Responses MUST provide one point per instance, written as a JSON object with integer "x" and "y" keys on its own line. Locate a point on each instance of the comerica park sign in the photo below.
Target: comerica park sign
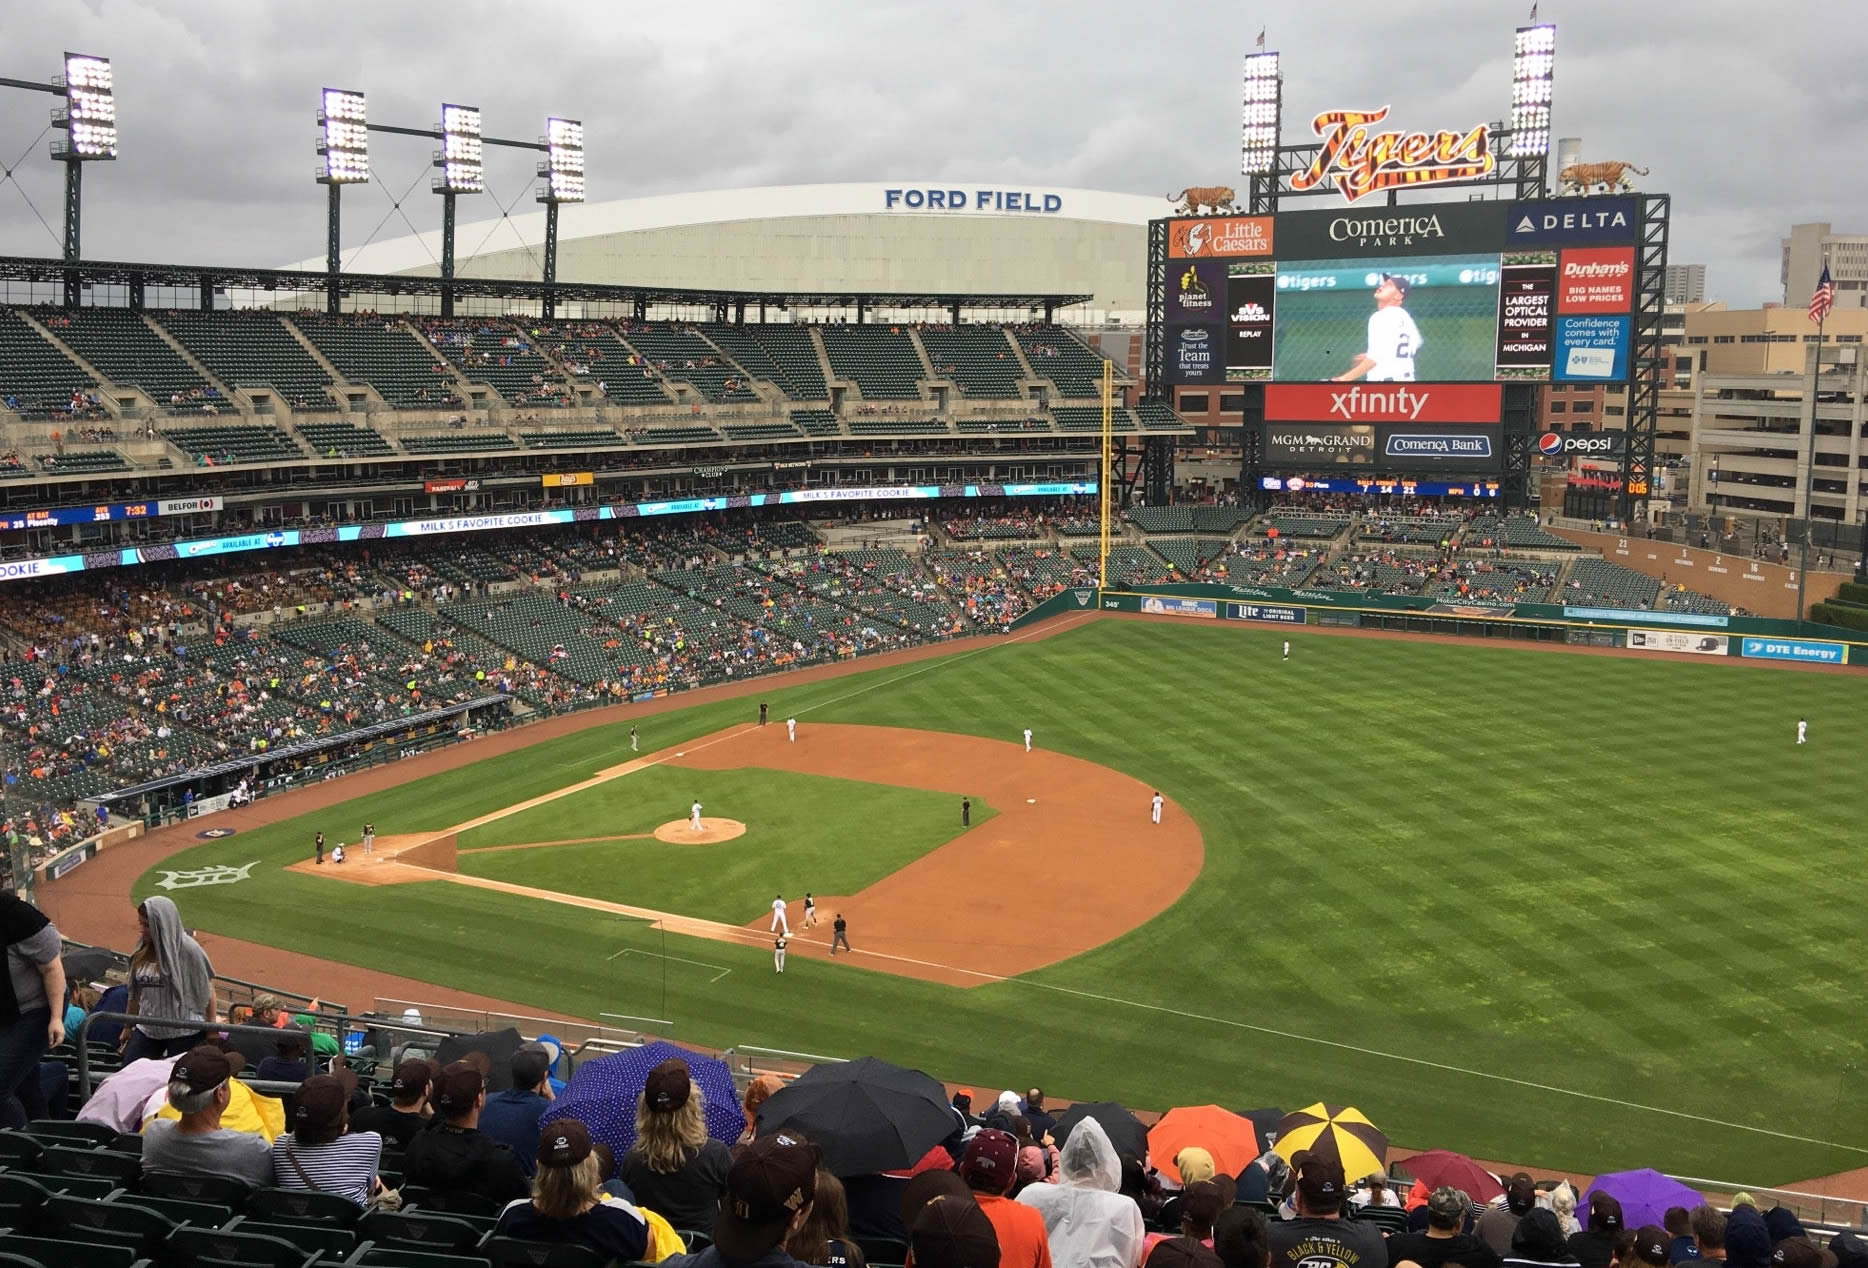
{"x": 1360, "y": 161}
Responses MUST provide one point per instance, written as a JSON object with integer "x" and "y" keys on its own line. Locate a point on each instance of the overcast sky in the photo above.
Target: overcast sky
{"x": 1754, "y": 116}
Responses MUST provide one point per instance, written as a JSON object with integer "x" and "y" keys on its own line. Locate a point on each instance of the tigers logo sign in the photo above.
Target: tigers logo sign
{"x": 1360, "y": 161}
{"x": 1220, "y": 237}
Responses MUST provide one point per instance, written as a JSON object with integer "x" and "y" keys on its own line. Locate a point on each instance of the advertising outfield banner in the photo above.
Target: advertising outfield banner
{"x": 1679, "y": 641}
{"x": 1277, "y": 612}
{"x": 1162, "y": 605}
{"x": 1438, "y": 292}
{"x": 1805, "y": 651}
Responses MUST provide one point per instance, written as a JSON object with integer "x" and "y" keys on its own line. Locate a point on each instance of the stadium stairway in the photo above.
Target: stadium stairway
{"x": 193, "y": 362}
{"x": 105, "y": 387}
{"x": 462, "y": 385}
{"x": 338, "y": 381}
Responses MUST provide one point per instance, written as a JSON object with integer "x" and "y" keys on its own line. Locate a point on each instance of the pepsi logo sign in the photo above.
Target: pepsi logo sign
{"x": 1550, "y": 444}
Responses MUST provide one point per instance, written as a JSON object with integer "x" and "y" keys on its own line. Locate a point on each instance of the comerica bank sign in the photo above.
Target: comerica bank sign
{"x": 959, "y": 199}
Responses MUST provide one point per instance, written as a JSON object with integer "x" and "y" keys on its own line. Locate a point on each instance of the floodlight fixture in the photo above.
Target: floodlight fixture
{"x": 1533, "y": 68}
{"x": 343, "y": 139}
{"x": 463, "y": 170}
{"x": 1261, "y": 113}
{"x": 563, "y": 166}
{"x": 89, "y": 116}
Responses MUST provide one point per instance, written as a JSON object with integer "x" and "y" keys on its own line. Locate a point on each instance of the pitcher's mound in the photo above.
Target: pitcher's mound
{"x": 713, "y": 831}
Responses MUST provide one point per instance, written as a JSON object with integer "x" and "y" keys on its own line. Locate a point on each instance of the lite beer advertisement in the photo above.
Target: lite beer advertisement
{"x": 1468, "y": 292}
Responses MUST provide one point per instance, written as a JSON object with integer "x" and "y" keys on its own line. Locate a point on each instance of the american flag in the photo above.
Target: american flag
{"x": 1824, "y": 299}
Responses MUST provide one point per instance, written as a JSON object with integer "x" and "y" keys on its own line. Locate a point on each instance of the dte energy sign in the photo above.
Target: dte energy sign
{"x": 956, "y": 199}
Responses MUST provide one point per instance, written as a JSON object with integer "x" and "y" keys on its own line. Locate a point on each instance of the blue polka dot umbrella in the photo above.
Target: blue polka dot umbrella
{"x": 602, "y": 1094}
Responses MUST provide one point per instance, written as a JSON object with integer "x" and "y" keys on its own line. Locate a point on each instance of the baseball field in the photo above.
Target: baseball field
{"x": 1579, "y": 911}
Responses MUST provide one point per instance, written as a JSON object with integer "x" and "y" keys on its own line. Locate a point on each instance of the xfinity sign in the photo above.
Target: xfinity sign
{"x": 1572, "y": 220}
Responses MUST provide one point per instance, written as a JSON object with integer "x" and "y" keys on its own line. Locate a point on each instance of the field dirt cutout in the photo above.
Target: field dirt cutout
{"x": 712, "y": 831}
{"x": 959, "y": 914}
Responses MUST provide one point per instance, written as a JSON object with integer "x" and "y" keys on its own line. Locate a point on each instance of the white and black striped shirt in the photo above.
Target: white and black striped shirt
{"x": 346, "y": 1166}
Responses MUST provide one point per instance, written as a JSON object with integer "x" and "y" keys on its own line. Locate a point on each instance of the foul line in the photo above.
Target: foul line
{"x": 699, "y": 964}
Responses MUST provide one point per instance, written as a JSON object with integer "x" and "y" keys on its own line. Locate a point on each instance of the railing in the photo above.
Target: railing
{"x": 1816, "y": 1211}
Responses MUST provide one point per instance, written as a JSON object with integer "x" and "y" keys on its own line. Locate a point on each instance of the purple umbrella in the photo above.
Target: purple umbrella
{"x": 602, "y": 1094}
{"x": 1645, "y": 1196}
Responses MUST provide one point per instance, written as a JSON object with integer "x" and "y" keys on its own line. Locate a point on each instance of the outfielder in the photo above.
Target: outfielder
{"x": 1287, "y": 649}
{"x": 1803, "y": 731}
{"x": 781, "y": 923}
{"x": 1028, "y": 739}
{"x": 791, "y": 729}
{"x": 1393, "y": 339}
{"x": 1154, "y": 808}
{"x": 633, "y": 741}
{"x": 694, "y": 816}
{"x": 778, "y": 953}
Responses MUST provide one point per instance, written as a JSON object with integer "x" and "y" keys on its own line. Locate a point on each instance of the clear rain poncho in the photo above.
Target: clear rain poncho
{"x": 1089, "y": 1223}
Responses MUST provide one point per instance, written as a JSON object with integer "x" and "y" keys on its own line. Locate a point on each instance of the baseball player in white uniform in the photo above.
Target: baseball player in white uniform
{"x": 778, "y": 953}
{"x": 791, "y": 729}
{"x": 780, "y": 922}
{"x": 1803, "y": 736}
{"x": 1028, "y": 739}
{"x": 1287, "y": 649}
{"x": 1393, "y": 340}
{"x": 1154, "y": 808}
{"x": 694, "y": 816}
{"x": 337, "y": 855}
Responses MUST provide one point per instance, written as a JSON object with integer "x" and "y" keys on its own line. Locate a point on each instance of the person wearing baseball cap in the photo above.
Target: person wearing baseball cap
{"x": 1594, "y": 1247}
{"x": 769, "y": 1191}
{"x": 1496, "y": 1226}
{"x": 989, "y": 1167}
{"x": 408, "y": 1111}
{"x": 952, "y": 1232}
{"x": 196, "y": 1144}
{"x": 1320, "y": 1237}
{"x": 454, "y": 1155}
{"x": 674, "y": 1167}
{"x": 567, "y": 1203}
{"x": 1651, "y": 1249}
{"x": 1445, "y": 1239}
{"x": 317, "y": 1154}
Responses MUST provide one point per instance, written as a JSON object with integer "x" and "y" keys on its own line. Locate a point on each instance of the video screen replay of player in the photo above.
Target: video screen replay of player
{"x": 1429, "y": 318}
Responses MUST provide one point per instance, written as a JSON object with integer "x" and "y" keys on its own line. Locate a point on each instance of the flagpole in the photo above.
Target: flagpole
{"x": 1809, "y": 473}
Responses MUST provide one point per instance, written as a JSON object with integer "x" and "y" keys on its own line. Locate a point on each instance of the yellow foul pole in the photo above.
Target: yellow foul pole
{"x": 1102, "y": 487}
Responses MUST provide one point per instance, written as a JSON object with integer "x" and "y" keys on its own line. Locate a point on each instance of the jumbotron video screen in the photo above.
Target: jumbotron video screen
{"x": 1469, "y": 292}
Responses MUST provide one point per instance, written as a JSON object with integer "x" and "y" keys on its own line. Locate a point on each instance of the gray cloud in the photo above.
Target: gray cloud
{"x": 1751, "y": 116}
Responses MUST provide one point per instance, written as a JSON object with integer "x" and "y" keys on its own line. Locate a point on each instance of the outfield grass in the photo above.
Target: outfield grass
{"x": 1506, "y": 901}
{"x": 803, "y": 832}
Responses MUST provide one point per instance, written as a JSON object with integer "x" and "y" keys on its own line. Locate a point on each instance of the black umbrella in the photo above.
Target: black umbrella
{"x": 1266, "y": 1120}
{"x": 498, "y": 1045}
{"x": 1125, "y": 1130}
{"x": 88, "y": 964}
{"x": 866, "y": 1115}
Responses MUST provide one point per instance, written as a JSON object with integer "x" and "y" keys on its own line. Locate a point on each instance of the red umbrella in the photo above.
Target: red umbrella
{"x": 1439, "y": 1167}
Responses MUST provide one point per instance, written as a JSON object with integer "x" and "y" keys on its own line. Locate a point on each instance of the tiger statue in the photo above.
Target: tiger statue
{"x": 1583, "y": 178}
{"x": 1214, "y": 198}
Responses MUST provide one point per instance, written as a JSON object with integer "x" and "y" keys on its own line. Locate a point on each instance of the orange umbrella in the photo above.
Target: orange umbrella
{"x": 1232, "y": 1139}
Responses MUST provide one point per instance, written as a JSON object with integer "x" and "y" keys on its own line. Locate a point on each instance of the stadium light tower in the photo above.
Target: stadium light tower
{"x": 563, "y": 170}
{"x": 344, "y": 144}
{"x": 1533, "y": 69}
{"x": 463, "y": 171}
{"x": 1261, "y": 116}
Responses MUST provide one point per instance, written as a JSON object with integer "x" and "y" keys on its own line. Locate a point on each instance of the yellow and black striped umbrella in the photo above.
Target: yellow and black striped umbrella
{"x": 1335, "y": 1131}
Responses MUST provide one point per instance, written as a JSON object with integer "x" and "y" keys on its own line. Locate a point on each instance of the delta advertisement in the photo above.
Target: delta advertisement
{"x": 1466, "y": 292}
